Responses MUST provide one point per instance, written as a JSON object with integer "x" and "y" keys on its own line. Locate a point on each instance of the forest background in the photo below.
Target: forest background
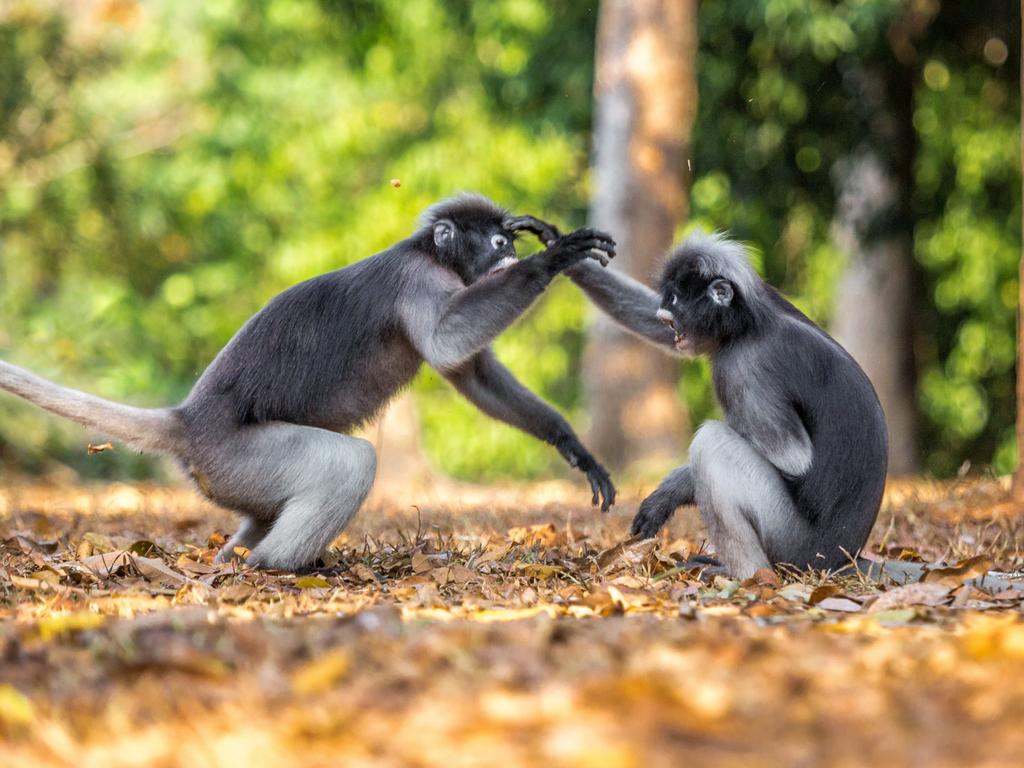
{"x": 167, "y": 167}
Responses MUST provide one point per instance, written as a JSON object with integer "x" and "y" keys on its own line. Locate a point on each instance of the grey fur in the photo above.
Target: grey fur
{"x": 263, "y": 430}
{"x": 146, "y": 429}
{"x": 795, "y": 474}
{"x": 629, "y": 301}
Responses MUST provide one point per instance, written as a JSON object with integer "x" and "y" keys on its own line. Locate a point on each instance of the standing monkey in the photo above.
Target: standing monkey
{"x": 795, "y": 473}
{"x": 263, "y": 431}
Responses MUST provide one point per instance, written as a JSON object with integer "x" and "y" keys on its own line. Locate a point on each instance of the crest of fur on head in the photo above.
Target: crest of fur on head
{"x": 714, "y": 255}
{"x": 465, "y": 209}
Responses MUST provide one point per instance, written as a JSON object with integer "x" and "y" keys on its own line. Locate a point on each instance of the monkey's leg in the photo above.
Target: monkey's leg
{"x": 302, "y": 483}
{"x": 743, "y": 501}
{"x": 249, "y": 534}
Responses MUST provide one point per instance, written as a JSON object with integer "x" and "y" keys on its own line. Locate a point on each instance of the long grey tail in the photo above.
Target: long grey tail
{"x": 146, "y": 429}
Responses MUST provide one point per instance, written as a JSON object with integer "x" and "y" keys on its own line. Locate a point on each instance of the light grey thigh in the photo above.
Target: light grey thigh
{"x": 328, "y": 484}
{"x": 737, "y": 485}
{"x": 258, "y": 469}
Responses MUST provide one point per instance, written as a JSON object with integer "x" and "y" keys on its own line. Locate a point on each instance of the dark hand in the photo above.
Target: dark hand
{"x": 600, "y": 480}
{"x": 546, "y": 233}
{"x": 654, "y": 512}
{"x": 569, "y": 250}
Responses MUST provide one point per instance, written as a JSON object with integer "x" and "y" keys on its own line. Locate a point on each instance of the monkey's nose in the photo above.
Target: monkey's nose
{"x": 666, "y": 317}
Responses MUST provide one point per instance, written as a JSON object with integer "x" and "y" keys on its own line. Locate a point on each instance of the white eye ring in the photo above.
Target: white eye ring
{"x": 675, "y": 299}
{"x": 498, "y": 242}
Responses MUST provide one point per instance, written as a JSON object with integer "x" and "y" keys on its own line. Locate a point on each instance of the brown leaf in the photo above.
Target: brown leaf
{"x": 767, "y": 577}
{"x": 539, "y": 571}
{"x": 823, "y": 592}
{"x": 421, "y": 563}
{"x": 843, "y": 604}
{"x": 22, "y": 582}
{"x": 107, "y": 564}
{"x": 155, "y": 569}
{"x": 454, "y": 574}
{"x": 923, "y": 593}
{"x": 92, "y": 450}
{"x": 49, "y": 575}
{"x": 238, "y": 592}
{"x": 955, "y": 575}
{"x": 363, "y": 573}
{"x": 533, "y": 535}
{"x": 99, "y": 542}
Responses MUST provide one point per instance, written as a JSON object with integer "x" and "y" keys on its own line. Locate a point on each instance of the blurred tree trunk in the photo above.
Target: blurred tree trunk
{"x": 645, "y": 95}
{"x": 1018, "y": 478}
{"x": 395, "y": 435}
{"x": 874, "y": 227}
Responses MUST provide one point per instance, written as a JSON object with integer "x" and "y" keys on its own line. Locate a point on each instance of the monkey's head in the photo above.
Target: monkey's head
{"x": 709, "y": 293}
{"x": 468, "y": 234}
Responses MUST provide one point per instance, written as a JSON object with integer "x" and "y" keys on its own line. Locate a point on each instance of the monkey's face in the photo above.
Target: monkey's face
{"x": 474, "y": 250}
{"x": 703, "y": 312}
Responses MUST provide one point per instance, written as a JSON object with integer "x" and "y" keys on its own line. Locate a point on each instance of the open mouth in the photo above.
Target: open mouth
{"x": 682, "y": 342}
{"x": 502, "y": 265}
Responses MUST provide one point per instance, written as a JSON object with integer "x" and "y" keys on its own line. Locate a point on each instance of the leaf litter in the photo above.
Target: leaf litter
{"x": 447, "y": 636}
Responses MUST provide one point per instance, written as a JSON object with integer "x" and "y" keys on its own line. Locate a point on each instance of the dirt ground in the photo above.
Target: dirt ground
{"x": 466, "y": 626}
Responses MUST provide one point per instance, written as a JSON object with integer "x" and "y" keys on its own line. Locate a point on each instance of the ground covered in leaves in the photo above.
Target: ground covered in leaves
{"x": 515, "y": 627}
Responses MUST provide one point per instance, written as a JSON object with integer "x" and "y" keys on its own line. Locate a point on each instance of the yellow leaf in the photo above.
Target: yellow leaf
{"x": 320, "y": 674}
{"x": 15, "y": 706}
{"x": 545, "y": 535}
{"x": 312, "y": 582}
{"x": 61, "y": 624}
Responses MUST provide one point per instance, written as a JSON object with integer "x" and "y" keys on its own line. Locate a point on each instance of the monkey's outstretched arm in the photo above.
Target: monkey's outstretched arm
{"x": 629, "y": 302}
{"x": 494, "y": 390}
{"x": 471, "y": 317}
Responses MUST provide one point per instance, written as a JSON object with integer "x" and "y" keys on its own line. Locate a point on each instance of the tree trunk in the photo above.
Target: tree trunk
{"x": 645, "y": 94}
{"x": 1018, "y": 478}
{"x": 874, "y": 309}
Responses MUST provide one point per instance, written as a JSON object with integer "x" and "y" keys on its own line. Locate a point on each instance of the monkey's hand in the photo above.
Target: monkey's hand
{"x": 546, "y": 233}
{"x": 568, "y": 250}
{"x": 654, "y": 512}
{"x": 600, "y": 481}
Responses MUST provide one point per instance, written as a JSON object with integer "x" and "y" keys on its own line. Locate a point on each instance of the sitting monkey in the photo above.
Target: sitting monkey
{"x": 794, "y": 473}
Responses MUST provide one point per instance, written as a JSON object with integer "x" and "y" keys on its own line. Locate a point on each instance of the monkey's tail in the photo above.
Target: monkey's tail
{"x": 147, "y": 429}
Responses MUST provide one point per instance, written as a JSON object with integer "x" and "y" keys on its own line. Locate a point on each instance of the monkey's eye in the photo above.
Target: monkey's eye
{"x": 498, "y": 242}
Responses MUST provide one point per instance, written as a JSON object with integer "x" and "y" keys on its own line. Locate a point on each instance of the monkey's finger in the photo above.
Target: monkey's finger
{"x": 601, "y": 257}
{"x": 594, "y": 488}
{"x": 546, "y": 233}
{"x": 608, "y": 492}
{"x": 610, "y": 497}
{"x": 644, "y": 527}
{"x": 594, "y": 244}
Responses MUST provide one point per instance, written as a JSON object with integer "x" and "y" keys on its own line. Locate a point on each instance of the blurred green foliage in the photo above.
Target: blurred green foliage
{"x": 166, "y": 167}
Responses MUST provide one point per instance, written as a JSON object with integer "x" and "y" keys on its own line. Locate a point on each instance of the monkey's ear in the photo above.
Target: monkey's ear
{"x": 444, "y": 233}
{"x": 721, "y": 292}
